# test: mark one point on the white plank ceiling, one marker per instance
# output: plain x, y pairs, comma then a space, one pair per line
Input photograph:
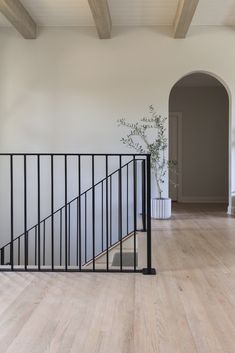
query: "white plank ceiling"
126, 12
143, 12
215, 12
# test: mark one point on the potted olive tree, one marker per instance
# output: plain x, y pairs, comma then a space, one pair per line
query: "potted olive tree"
149, 136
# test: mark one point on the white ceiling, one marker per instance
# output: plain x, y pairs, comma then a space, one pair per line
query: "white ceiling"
143, 12
58, 12
126, 12
215, 12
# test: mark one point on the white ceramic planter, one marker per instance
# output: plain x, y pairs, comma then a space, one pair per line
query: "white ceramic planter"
161, 208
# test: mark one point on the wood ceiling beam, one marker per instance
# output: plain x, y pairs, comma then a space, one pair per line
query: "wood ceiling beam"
101, 14
19, 17
183, 19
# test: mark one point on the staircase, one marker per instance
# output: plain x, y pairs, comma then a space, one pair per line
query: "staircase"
106, 227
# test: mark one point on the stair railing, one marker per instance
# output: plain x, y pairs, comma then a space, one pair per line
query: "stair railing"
74, 236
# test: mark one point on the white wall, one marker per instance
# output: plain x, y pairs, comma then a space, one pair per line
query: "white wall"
65, 90
205, 125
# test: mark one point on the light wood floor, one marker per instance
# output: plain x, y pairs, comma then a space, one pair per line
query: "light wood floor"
189, 307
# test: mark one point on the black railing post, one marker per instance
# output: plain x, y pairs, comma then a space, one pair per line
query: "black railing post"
127, 199
61, 225
25, 215
134, 209
2, 256
39, 214
149, 270
110, 211
77, 230
44, 243
93, 213
52, 212
66, 214
79, 214
144, 195
12, 215
102, 216
19, 249
107, 212
69, 235
120, 207
85, 227
35, 247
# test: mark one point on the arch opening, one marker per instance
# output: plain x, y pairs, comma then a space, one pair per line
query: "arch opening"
199, 125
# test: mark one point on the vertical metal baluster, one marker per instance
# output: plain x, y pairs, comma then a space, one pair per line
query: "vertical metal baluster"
39, 214
77, 241
102, 216
93, 213
134, 201
85, 228
27, 246
12, 216
149, 245
127, 200
18, 251
80, 214
120, 207
107, 214
52, 212
35, 246
110, 209
44, 243
2, 256
69, 236
66, 213
144, 195
25, 215
61, 225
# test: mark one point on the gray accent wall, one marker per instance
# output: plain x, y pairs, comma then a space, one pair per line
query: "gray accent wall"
205, 126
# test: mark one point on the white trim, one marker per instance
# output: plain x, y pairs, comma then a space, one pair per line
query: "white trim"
231, 208
179, 117
230, 132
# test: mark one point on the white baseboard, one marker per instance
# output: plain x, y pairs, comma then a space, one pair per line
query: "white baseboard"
231, 210
198, 199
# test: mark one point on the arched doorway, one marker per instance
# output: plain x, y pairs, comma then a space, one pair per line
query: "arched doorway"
199, 139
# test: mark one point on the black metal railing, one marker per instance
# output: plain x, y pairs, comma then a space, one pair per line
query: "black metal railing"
97, 206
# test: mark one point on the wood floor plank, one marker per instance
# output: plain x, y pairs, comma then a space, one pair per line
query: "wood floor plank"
189, 307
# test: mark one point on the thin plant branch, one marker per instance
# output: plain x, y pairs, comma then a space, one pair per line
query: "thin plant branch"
143, 141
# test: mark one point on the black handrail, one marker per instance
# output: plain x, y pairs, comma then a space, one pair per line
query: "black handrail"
76, 154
